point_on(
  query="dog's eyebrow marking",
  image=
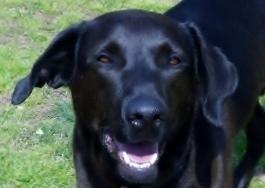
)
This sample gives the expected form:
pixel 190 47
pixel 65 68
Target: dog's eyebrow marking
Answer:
pixel 165 47
pixel 112 47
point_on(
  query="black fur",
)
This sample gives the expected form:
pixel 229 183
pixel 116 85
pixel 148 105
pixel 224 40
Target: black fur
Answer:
pixel 238 29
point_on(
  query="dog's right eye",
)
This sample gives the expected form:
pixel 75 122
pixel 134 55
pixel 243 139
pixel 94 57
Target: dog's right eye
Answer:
pixel 174 60
pixel 104 59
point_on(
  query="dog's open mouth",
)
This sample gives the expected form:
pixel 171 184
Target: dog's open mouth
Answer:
pixel 137 161
pixel 139 156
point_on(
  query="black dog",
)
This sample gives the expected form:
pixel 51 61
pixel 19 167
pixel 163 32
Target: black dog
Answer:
pixel 238 29
pixel 151 99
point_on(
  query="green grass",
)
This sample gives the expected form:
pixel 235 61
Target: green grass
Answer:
pixel 35 137
pixel 35 144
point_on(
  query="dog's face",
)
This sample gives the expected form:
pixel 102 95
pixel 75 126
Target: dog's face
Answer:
pixel 134 80
pixel 141 80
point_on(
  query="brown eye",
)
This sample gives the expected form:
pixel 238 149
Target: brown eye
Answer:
pixel 104 59
pixel 174 60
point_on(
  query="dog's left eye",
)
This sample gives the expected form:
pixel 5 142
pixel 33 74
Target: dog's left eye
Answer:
pixel 174 60
pixel 104 59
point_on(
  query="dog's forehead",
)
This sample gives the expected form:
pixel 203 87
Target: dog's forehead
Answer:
pixel 133 27
pixel 133 18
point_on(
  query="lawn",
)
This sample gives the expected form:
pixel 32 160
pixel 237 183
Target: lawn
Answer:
pixel 35 137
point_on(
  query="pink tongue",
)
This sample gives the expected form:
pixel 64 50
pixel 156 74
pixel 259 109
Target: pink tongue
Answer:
pixel 140 159
pixel 140 153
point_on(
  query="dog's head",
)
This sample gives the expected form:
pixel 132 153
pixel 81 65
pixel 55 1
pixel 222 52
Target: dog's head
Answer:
pixel 135 79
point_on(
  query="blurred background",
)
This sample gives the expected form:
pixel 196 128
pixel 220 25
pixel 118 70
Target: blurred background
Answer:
pixel 35 137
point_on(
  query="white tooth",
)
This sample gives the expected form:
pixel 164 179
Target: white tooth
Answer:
pixel 145 165
pixel 126 159
pixel 124 156
pixel 153 159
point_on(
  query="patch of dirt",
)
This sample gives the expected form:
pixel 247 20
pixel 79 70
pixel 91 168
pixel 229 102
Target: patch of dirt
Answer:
pixel 261 177
pixel 5 39
pixel 4 99
pixel 46 106
pixel 23 41
pixel 60 94
pixel 91 15
pixel 48 19
pixel 14 33
pixel 260 174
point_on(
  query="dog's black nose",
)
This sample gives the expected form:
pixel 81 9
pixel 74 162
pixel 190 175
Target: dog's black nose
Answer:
pixel 143 111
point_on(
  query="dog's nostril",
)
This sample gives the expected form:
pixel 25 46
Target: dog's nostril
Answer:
pixel 158 117
pixel 145 115
pixel 137 123
pixel 136 119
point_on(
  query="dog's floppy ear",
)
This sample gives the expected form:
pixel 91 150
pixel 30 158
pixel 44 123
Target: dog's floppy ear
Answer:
pixel 217 76
pixel 55 67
